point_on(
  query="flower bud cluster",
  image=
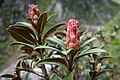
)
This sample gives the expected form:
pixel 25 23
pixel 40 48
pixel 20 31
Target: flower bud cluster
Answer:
pixel 73 34
pixel 34 13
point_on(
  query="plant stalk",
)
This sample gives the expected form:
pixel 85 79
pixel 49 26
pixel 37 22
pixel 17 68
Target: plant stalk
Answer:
pixel 43 66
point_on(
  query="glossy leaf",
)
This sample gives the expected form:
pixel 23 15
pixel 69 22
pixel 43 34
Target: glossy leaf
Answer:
pixel 55 61
pixel 57 41
pixel 52 29
pixel 30 71
pixel 96 50
pixel 48 47
pixel 28 27
pixel 7 76
pixel 20 34
pixel 41 22
pixel 88 52
pixel 26 48
pixel 87 42
pixel 51 16
pixel 81 52
pixel 24 64
pixel 82 36
pixel 22 43
pixel 63 33
pixel 104 57
pixel 18 65
pixel 24 24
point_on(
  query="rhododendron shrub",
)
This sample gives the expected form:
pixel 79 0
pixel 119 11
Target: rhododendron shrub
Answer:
pixel 64 51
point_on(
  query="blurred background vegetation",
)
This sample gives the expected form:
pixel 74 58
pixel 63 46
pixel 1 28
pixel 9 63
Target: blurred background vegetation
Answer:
pixel 101 17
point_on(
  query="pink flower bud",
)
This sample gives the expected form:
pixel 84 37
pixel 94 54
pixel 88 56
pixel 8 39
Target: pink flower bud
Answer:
pixel 67 40
pixel 77 43
pixel 35 17
pixel 34 9
pixel 77 33
pixel 35 22
pixel 73 34
pixel 72 37
pixel 71 45
pixel 34 13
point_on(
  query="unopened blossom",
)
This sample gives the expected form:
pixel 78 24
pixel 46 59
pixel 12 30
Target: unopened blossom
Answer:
pixel 73 34
pixel 34 13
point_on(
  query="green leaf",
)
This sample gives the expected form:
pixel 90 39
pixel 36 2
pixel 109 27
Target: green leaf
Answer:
pixel 22 43
pixel 105 70
pixel 101 58
pixel 41 22
pixel 57 41
pixel 30 21
pixel 24 64
pixel 82 55
pixel 18 65
pixel 96 50
pixel 83 36
pixel 81 52
pixel 87 42
pixel 26 48
pixel 47 47
pixel 7 76
pixel 69 77
pixel 56 61
pixel 30 71
pixel 28 27
pixel 63 33
pixel 23 24
pixel 88 52
pixel 16 78
pixel 51 17
pixel 20 34
pixel 52 29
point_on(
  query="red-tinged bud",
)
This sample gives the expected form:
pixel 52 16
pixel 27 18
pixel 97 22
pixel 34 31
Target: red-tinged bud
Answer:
pixel 71 45
pixel 77 33
pixel 77 43
pixel 34 13
pixel 34 9
pixel 73 34
pixel 67 40
pixel 72 37
pixel 35 22
pixel 35 17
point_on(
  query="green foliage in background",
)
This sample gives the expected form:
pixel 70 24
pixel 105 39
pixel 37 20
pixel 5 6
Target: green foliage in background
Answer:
pixel 91 11
pixel 7 17
pixel 109 35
